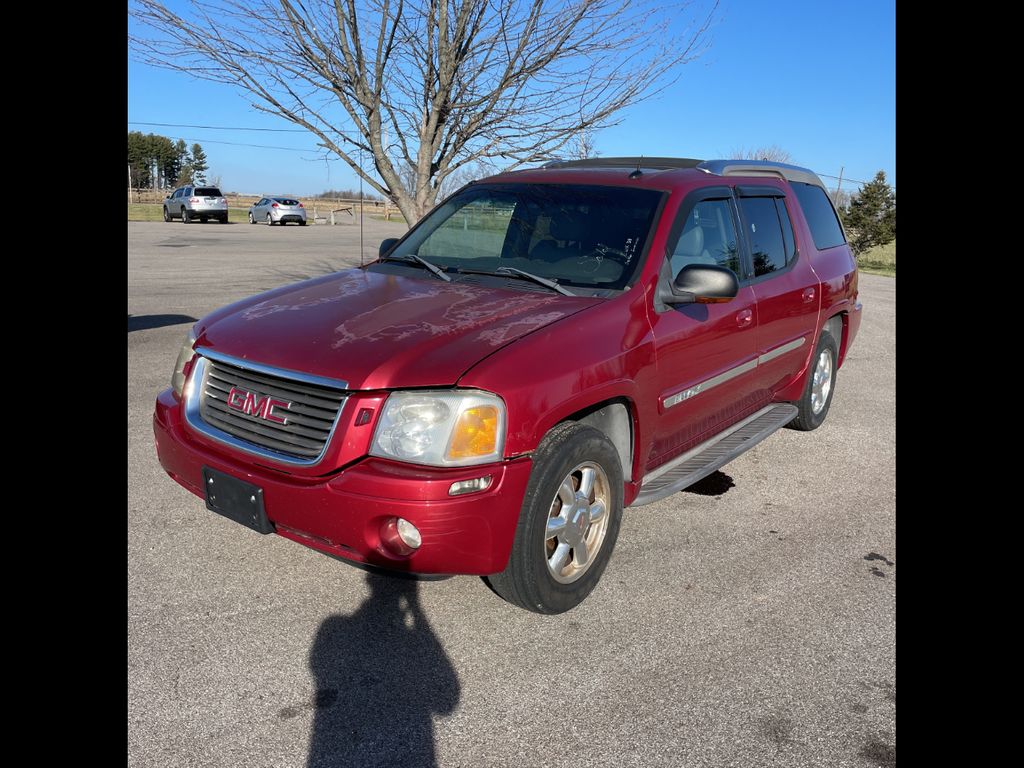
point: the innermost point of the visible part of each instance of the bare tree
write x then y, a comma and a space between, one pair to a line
774, 153
425, 88
586, 145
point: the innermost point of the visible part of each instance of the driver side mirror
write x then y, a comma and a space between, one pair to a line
386, 245
701, 284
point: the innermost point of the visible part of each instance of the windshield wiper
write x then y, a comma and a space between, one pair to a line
535, 278
412, 258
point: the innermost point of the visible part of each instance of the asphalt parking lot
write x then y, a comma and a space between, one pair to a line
747, 622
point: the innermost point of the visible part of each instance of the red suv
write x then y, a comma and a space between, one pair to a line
544, 349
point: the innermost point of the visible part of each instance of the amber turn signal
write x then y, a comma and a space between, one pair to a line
475, 433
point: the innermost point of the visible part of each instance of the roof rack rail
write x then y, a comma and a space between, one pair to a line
760, 168
718, 167
651, 163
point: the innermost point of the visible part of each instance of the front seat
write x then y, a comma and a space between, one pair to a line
690, 250
565, 228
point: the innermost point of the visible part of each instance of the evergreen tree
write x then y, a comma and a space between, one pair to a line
199, 164
184, 164
871, 217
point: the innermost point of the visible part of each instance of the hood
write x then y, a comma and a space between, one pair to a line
379, 331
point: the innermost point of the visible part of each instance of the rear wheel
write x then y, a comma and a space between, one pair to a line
302, 222
821, 384
202, 219
270, 221
184, 216
568, 524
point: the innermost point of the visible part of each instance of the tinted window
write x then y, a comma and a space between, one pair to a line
286, 201
208, 192
764, 231
708, 237
821, 217
787, 228
577, 234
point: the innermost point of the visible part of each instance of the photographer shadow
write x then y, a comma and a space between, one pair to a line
381, 676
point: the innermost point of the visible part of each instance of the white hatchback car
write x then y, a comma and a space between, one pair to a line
277, 210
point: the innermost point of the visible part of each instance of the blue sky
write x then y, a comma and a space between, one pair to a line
814, 77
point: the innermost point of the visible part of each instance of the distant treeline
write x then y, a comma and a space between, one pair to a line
347, 194
156, 162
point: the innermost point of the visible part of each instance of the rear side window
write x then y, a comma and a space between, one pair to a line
208, 192
764, 229
821, 216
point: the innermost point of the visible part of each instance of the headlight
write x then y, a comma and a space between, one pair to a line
178, 377
449, 428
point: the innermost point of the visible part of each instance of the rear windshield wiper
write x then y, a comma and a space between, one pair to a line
412, 258
512, 271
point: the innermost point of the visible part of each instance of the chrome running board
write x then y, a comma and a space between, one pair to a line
712, 454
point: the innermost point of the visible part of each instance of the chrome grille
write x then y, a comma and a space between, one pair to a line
310, 419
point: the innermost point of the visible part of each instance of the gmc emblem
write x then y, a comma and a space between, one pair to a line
263, 408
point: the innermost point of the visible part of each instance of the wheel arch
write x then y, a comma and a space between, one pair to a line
837, 326
616, 418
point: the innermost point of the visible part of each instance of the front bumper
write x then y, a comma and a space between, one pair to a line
342, 513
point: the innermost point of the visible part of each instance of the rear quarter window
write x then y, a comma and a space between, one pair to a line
821, 216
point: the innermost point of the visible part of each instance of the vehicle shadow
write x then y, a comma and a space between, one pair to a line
715, 484
381, 675
147, 322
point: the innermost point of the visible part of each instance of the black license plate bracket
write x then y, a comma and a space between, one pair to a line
236, 500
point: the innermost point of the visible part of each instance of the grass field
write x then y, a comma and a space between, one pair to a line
880, 260
155, 212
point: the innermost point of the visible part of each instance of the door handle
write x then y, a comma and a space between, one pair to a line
744, 318
808, 295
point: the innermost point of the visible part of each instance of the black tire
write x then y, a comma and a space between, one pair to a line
302, 223
202, 219
224, 220
184, 216
806, 418
167, 216
252, 219
528, 580
270, 221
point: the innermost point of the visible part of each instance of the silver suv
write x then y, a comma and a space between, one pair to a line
191, 203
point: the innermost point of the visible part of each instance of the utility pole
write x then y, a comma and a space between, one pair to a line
129, 183
360, 207
840, 183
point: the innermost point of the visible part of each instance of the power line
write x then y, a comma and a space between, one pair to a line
222, 127
303, 130
239, 144
844, 178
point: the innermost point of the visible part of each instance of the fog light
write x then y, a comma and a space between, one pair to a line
470, 486
400, 536
409, 534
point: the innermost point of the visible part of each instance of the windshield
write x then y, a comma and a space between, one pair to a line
576, 234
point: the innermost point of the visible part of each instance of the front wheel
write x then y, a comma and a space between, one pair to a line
252, 219
568, 524
167, 216
821, 384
